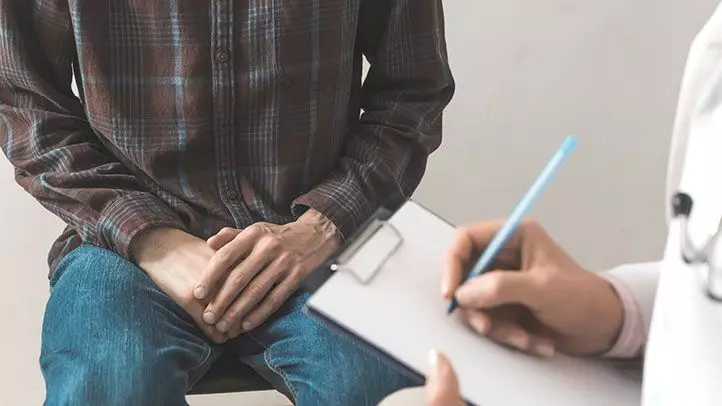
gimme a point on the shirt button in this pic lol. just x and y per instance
(222, 56)
(231, 194)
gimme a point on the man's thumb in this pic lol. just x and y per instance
(442, 387)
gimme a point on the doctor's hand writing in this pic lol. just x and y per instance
(538, 301)
(255, 270)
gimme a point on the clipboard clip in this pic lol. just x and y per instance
(369, 251)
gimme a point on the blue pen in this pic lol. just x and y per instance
(520, 211)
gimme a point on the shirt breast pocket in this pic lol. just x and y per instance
(314, 42)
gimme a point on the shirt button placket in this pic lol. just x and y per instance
(223, 107)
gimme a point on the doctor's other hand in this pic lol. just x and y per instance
(537, 300)
(442, 386)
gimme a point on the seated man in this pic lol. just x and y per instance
(197, 117)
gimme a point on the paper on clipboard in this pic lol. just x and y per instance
(400, 311)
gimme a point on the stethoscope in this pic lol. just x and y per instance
(709, 255)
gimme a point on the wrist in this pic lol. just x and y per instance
(612, 315)
(321, 224)
(153, 244)
(629, 340)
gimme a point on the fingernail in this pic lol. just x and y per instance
(247, 326)
(433, 358)
(445, 289)
(544, 349)
(479, 324)
(518, 341)
(209, 317)
(200, 292)
(223, 326)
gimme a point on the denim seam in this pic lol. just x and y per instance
(202, 363)
(280, 372)
(206, 357)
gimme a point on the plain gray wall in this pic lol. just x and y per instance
(528, 73)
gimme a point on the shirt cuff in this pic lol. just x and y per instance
(631, 339)
(131, 214)
(343, 204)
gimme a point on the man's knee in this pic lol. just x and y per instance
(89, 275)
(137, 366)
(109, 335)
(96, 291)
(108, 376)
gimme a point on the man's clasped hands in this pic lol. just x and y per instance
(237, 279)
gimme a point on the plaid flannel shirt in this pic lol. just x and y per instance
(203, 114)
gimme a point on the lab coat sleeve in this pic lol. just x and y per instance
(636, 285)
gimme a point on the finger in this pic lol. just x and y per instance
(478, 321)
(272, 302)
(469, 240)
(195, 310)
(223, 237)
(516, 337)
(225, 259)
(500, 287)
(456, 263)
(510, 333)
(543, 347)
(254, 292)
(483, 232)
(235, 330)
(442, 385)
(240, 277)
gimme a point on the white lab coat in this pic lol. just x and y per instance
(683, 357)
(683, 360)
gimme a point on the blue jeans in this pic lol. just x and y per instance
(111, 337)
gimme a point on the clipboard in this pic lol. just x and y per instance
(397, 314)
(339, 261)
(319, 276)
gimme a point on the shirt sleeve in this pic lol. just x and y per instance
(46, 136)
(408, 85)
(636, 285)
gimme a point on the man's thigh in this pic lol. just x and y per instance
(111, 337)
(318, 366)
